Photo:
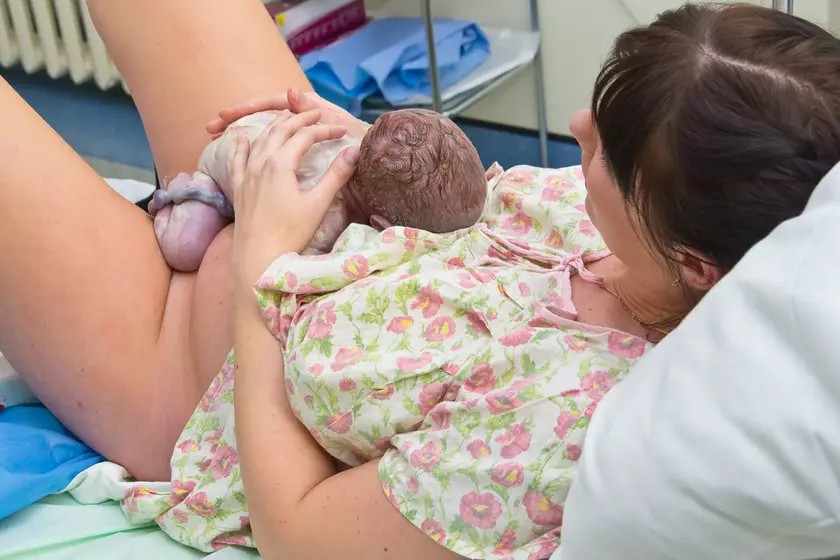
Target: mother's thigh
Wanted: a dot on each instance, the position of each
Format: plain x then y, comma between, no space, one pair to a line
82,289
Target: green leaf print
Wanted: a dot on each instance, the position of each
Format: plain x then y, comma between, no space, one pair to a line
325,346
235,476
404,344
327,284
501,422
240,497
220,501
368,381
371,318
346,309
583,369
386,417
410,405
507,377
411,515
543,334
332,398
414,267
405,292
528,366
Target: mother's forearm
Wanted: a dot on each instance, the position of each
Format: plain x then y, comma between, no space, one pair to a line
280,460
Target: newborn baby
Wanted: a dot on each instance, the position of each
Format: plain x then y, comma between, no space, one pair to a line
416,169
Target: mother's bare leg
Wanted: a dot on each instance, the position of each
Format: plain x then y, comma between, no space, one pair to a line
183,61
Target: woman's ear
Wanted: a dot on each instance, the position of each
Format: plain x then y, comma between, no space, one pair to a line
698,272
379,223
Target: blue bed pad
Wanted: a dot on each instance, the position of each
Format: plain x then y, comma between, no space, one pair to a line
38,457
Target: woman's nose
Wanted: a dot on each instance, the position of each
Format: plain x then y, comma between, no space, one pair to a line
581,127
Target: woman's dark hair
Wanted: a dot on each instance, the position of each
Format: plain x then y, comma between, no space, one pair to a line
717,123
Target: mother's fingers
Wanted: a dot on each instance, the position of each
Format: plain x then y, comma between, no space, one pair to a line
238,166
281,129
227,116
305,138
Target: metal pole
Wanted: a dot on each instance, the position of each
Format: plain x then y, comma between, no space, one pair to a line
783,5
539,84
434,76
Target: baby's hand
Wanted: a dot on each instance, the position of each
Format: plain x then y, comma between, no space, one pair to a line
294,101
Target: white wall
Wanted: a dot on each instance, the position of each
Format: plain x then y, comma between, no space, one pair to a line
577,34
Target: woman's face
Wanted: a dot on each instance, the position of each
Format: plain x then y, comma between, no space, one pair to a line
604,203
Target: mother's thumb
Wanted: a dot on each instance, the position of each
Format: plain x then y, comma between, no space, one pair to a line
339,173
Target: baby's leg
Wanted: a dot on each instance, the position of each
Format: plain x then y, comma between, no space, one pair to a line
189,212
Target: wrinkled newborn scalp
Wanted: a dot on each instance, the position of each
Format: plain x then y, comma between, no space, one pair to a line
418,169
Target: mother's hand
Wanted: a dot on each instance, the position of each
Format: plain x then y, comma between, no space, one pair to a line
273,214
294,101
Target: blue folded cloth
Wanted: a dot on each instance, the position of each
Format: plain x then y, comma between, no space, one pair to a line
38,457
391,56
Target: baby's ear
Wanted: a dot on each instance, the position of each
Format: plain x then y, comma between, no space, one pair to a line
379,223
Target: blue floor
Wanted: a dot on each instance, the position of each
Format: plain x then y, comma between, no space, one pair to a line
107,126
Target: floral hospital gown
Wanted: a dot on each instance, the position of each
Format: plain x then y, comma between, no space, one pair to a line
455,358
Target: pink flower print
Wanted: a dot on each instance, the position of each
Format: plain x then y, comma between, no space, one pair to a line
384,393
244,521
477,321
452,392
200,505
510,201
565,422
524,289
577,173
207,405
478,449
522,383
390,495
586,228
509,475
466,281
482,275
134,495
308,399
492,315
441,418
482,380
180,515
388,236
316,369
290,387
480,510
573,452
322,325
430,396
221,542
346,384
590,410
499,402
429,301
571,393
434,529
356,267
180,491
625,345
414,363
517,338
214,438
557,187
541,510
576,343
440,329
340,422
450,368
189,446
382,444
412,485
454,262
495,253
539,322
549,542
520,177
399,325
555,239
514,441
506,543
205,465
411,233
427,457
224,460
596,384
291,280
347,357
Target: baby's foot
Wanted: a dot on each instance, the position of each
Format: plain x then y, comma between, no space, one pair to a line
189,212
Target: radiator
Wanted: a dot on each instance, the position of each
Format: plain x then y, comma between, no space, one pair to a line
55,36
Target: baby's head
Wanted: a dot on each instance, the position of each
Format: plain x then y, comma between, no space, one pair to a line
418,169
